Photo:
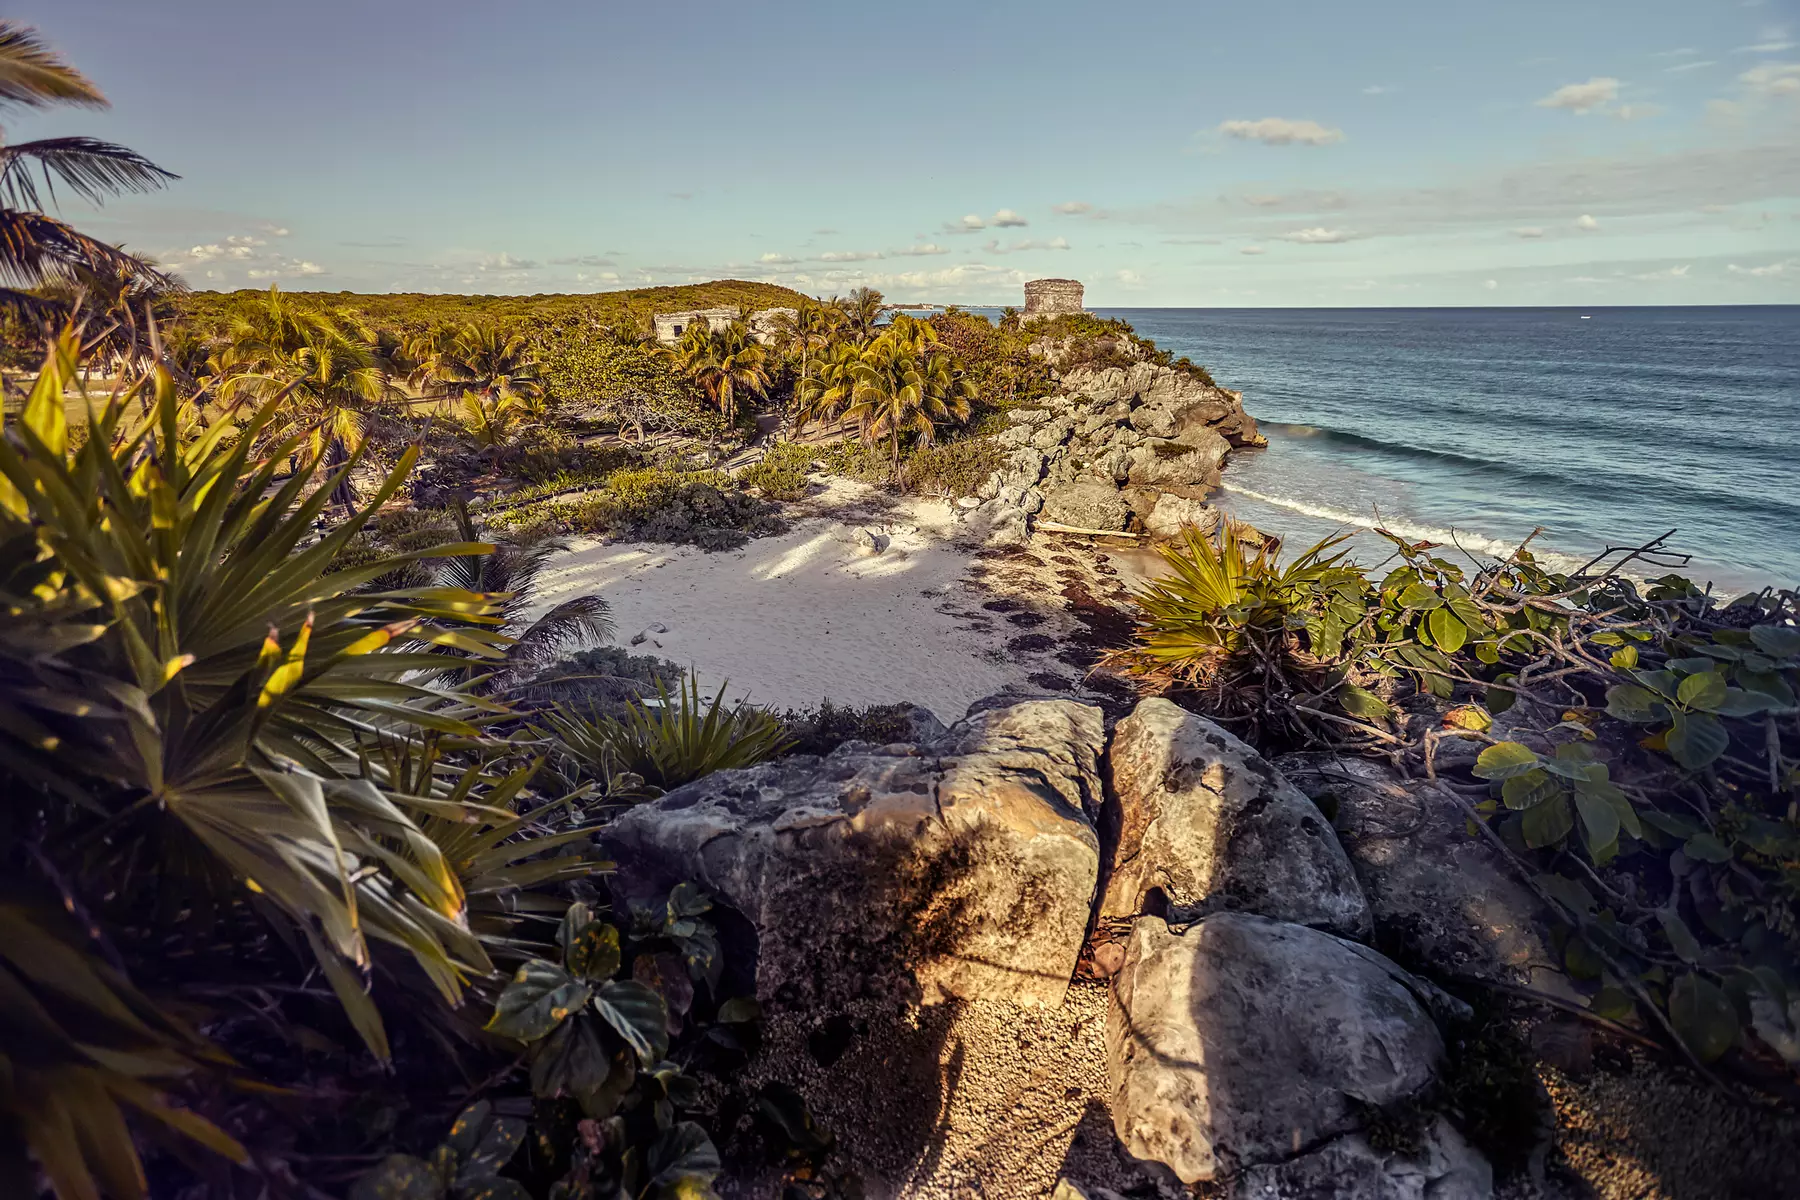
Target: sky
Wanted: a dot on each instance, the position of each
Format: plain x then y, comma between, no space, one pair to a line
1192,153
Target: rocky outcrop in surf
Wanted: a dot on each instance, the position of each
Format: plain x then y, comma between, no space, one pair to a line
1137,447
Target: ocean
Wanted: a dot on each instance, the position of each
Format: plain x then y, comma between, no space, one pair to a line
1603,426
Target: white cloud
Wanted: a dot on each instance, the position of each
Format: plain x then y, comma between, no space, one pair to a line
1318,235
1529,232
1072,208
1582,98
1635,112
994,246
1378,89
1684,52
1252,250
968,224
774,259
1664,275
834,256
308,268
1766,47
1767,269
505,262
1587,222
1263,201
1281,131
1693,66
924,248
1491,284
1128,278
1773,79
1006,218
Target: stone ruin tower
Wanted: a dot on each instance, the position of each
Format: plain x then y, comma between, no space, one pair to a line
1051,297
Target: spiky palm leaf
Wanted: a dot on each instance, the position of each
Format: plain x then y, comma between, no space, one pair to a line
33,76
677,740
90,168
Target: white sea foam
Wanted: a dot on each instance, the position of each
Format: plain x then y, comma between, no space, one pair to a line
1478,543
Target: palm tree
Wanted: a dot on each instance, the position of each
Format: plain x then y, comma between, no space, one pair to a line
905,388
726,364
862,310
36,248
326,362
493,362
825,391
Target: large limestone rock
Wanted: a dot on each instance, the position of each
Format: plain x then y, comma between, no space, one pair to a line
963,867
1207,821
1445,1167
1170,515
1089,505
1245,1040
1438,894
1192,462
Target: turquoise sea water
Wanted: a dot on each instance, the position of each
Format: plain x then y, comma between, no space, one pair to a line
1606,426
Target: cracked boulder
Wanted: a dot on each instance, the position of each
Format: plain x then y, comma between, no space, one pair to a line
1205,821
964,866
1246,1042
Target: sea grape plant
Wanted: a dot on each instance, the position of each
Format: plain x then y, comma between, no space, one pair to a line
1648,784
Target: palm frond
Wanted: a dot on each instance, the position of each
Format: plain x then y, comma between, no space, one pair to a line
34,76
583,621
36,249
90,168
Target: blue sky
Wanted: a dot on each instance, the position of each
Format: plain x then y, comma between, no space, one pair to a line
1380,153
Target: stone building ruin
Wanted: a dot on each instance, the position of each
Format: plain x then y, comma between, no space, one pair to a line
1051,298
670,326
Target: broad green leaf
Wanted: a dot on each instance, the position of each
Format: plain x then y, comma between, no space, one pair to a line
687,900
1704,847
682,1151
1776,641
1469,716
1447,632
1546,824
500,1140
399,1177
1681,938
1703,1016
592,952
1599,823
1607,791
1705,691
1500,696
1697,740
1421,596
1467,612
498,1187
539,998
1365,704
1629,702
1529,790
1736,703
1503,760
571,1061
1613,1003
1624,658
638,1014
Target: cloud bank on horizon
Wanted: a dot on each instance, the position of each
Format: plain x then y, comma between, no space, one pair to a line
1395,154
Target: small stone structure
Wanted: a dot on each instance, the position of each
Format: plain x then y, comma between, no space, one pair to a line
1051,297
670,326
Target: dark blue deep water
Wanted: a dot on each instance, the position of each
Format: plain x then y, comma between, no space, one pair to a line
1606,426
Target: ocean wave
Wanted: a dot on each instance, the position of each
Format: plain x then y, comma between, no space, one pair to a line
1411,530
1592,482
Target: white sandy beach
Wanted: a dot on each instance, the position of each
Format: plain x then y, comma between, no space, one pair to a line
794,619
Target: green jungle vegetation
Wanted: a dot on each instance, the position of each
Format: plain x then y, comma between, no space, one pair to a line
303,894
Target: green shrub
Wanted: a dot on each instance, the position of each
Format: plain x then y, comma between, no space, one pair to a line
823,729
782,473
952,469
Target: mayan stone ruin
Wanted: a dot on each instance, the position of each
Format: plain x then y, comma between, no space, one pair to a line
1051,297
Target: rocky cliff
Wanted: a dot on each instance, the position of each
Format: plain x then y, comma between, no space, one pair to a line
1137,446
